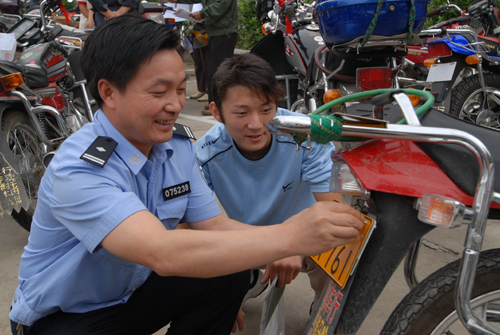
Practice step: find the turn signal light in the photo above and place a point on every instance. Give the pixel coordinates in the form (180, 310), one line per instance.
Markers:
(471, 60)
(11, 81)
(439, 50)
(372, 78)
(266, 28)
(430, 61)
(441, 211)
(330, 95)
(170, 21)
(415, 99)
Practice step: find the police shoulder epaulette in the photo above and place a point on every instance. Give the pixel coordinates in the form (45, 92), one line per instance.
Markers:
(99, 151)
(182, 130)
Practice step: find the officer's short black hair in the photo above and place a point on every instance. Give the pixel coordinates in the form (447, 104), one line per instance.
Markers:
(246, 70)
(117, 48)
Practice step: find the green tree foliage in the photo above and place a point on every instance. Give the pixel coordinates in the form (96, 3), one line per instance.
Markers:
(249, 31)
(464, 4)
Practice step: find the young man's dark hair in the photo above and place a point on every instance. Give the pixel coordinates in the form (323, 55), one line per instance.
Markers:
(118, 59)
(246, 70)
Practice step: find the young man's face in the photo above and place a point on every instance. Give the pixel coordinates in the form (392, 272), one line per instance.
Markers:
(246, 116)
(145, 112)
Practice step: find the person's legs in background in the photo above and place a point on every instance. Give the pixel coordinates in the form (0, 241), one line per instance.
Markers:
(219, 48)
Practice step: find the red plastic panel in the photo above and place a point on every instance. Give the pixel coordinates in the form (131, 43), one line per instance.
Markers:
(401, 167)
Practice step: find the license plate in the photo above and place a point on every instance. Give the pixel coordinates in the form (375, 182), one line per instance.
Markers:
(339, 263)
(441, 72)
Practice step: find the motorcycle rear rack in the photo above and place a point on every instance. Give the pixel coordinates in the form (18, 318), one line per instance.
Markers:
(484, 195)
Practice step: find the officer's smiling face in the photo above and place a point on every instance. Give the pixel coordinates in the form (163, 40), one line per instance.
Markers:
(145, 112)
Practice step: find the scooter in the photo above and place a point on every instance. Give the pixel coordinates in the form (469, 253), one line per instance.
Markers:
(434, 171)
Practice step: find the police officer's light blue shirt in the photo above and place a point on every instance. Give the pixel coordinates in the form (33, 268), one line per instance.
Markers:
(63, 266)
(268, 190)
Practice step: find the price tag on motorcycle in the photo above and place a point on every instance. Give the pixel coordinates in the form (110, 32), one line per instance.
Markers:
(340, 262)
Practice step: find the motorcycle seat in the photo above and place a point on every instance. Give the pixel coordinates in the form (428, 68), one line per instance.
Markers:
(34, 75)
(458, 162)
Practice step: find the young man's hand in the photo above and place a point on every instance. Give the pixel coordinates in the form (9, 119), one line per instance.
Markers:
(240, 322)
(323, 226)
(287, 270)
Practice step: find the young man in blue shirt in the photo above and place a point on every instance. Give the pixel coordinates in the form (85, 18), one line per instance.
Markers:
(103, 255)
(261, 179)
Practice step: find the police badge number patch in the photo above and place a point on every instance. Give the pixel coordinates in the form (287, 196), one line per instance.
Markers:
(176, 191)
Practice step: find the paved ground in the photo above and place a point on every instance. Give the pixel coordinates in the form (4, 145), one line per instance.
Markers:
(440, 247)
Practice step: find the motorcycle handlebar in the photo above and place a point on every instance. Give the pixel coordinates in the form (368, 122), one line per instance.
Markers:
(290, 13)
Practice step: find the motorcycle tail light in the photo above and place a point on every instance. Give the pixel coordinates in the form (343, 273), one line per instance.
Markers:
(343, 180)
(439, 50)
(372, 78)
(330, 95)
(157, 17)
(471, 60)
(11, 81)
(441, 211)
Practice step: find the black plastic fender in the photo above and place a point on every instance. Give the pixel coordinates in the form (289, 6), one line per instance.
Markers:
(398, 228)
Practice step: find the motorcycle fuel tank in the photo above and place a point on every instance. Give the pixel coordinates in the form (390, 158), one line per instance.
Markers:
(300, 47)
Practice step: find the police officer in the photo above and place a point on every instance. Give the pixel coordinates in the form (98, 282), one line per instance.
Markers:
(104, 256)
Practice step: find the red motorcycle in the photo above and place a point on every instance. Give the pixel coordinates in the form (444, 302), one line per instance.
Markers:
(40, 112)
(436, 171)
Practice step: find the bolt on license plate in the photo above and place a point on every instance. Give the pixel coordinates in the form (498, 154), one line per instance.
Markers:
(340, 262)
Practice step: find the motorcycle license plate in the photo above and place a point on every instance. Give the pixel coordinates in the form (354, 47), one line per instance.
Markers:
(441, 72)
(340, 262)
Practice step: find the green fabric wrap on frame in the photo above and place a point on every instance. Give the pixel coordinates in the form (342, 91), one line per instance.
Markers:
(326, 128)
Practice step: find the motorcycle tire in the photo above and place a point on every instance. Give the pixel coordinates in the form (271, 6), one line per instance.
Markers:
(430, 307)
(23, 141)
(468, 90)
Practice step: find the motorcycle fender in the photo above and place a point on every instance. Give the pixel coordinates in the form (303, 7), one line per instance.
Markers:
(398, 228)
(12, 192)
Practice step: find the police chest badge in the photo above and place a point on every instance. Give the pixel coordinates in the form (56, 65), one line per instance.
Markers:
(176, 191)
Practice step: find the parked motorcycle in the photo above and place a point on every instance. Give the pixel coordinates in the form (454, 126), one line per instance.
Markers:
(40, 113)
(463, 61)
(340, 54)
(437, 170)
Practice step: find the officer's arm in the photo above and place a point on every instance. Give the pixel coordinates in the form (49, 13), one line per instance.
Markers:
(141, 238)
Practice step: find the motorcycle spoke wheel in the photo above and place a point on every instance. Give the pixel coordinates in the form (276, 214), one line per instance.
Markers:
(26, 148)
(486, 307)
(429, 308)
(468, 101)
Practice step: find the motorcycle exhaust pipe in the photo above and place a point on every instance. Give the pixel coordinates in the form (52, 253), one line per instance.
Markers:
(47, 158)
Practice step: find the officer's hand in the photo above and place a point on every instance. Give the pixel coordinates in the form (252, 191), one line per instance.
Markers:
(196, 16)
(287, 270)
(322, 227)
